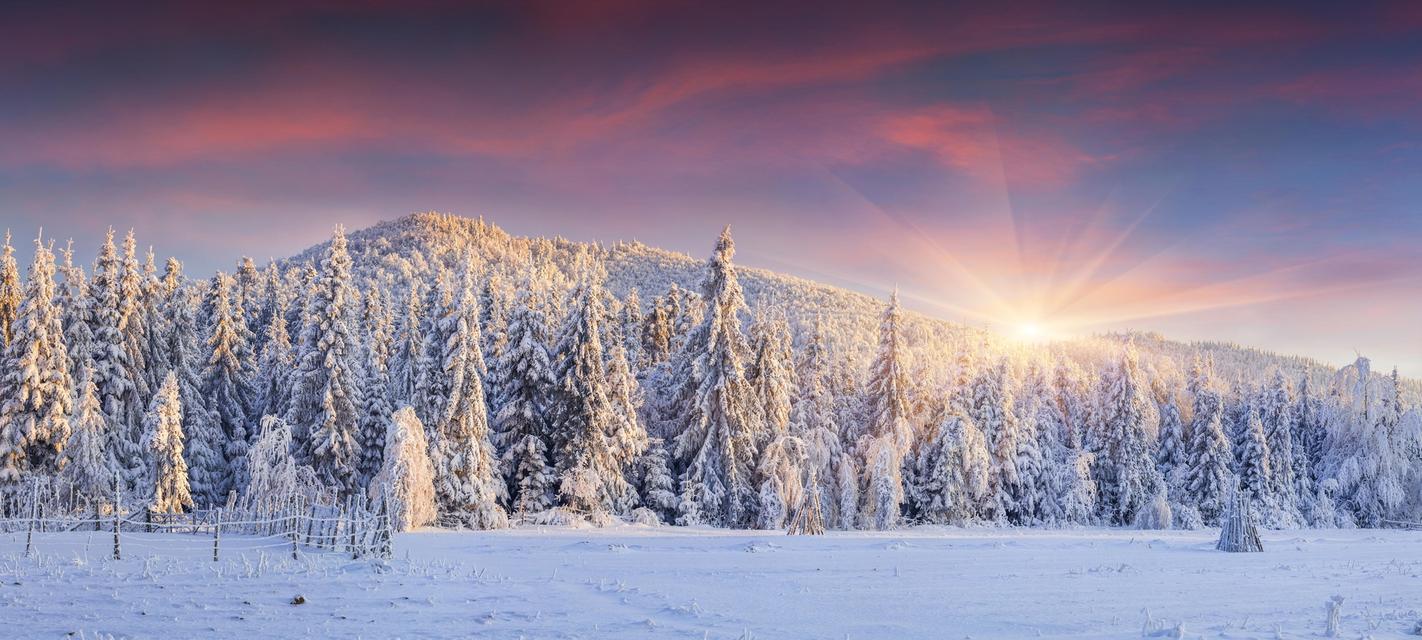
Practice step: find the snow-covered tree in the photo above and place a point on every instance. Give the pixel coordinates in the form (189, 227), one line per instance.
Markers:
(716, 406)
(1126, 475)
(163, 437)
(409, 345)
(585, 422)
(10, 295)
(36, 391)
(375, 386)
(1256, 475)
(1172, 455)
(86, 467)
(1276, 415)
(991, 410)
(218, 461)
(770, 373)
(954, 469)
(274, 367)
(276, 477)
(78, 315)
(521, 428)
(113, 370)
(467, 485)
(325, 403)
(886, 436)
(652, 477)
(405, 483)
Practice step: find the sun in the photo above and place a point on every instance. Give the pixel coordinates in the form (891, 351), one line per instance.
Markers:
(1030, 331)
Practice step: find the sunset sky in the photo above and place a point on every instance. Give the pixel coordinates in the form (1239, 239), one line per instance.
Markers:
(1210, 171)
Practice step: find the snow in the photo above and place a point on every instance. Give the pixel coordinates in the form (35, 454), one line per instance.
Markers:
(630, 581)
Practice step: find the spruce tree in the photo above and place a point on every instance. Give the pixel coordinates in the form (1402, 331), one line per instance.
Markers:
(409, 345)
(1276, 415)
(1209, 479)
(218, 462)
(86, 467)
(954, 469)
(771, 375)
(325, 403)
(1256, 475)
(10, 291)
(1126, 476)
(375, 386)
(78, 316)
(1172, 455)
(163, 438)
(585, 422)
(274, 368)
(991, 411)
(112, 369)
(36, 391)
(521, 426)
(467, 487)
(716, 407)
(885, 439)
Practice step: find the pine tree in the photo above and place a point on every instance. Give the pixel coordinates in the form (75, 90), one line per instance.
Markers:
(217, 460)
(716, 406)
(991, 411)
(405, 483)
(113, 370)
(585, 422)
(467, 487)
(134, 306)
(36, 391)
(521, 426)
(1209, 480)
(409, 345)
(1172, 455)
(78, 316)
(1276, 414)
(886, 436)
(163, 438)
(656, 334)
(770, 373)
(433, 388)
(325, 403)
(10, 291)
(654, 480)
(274, 368)
(375, 387)
(1126, 476)
(1256, 475)
(86, 467)
(629, 325)
(782, 480)
(954, 469)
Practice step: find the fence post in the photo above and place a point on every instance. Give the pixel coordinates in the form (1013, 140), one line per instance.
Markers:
(386, 550)
(294, 525)
(118, 499)
(34, 518)
(216, 533)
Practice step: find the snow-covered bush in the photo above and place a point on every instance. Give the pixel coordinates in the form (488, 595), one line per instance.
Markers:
(405, 482)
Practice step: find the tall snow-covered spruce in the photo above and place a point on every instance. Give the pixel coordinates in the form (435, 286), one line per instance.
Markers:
(163, 438)
(36, 391)
(325, 403)
(716, 408)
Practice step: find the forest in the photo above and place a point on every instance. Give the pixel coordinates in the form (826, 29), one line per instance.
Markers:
(472, 379)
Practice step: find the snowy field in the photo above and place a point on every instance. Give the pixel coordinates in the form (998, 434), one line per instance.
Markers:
(631, 582)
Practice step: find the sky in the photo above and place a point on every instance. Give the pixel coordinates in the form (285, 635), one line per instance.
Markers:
(1209, 170)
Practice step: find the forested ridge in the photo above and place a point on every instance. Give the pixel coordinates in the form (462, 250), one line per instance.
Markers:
(484, 379)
